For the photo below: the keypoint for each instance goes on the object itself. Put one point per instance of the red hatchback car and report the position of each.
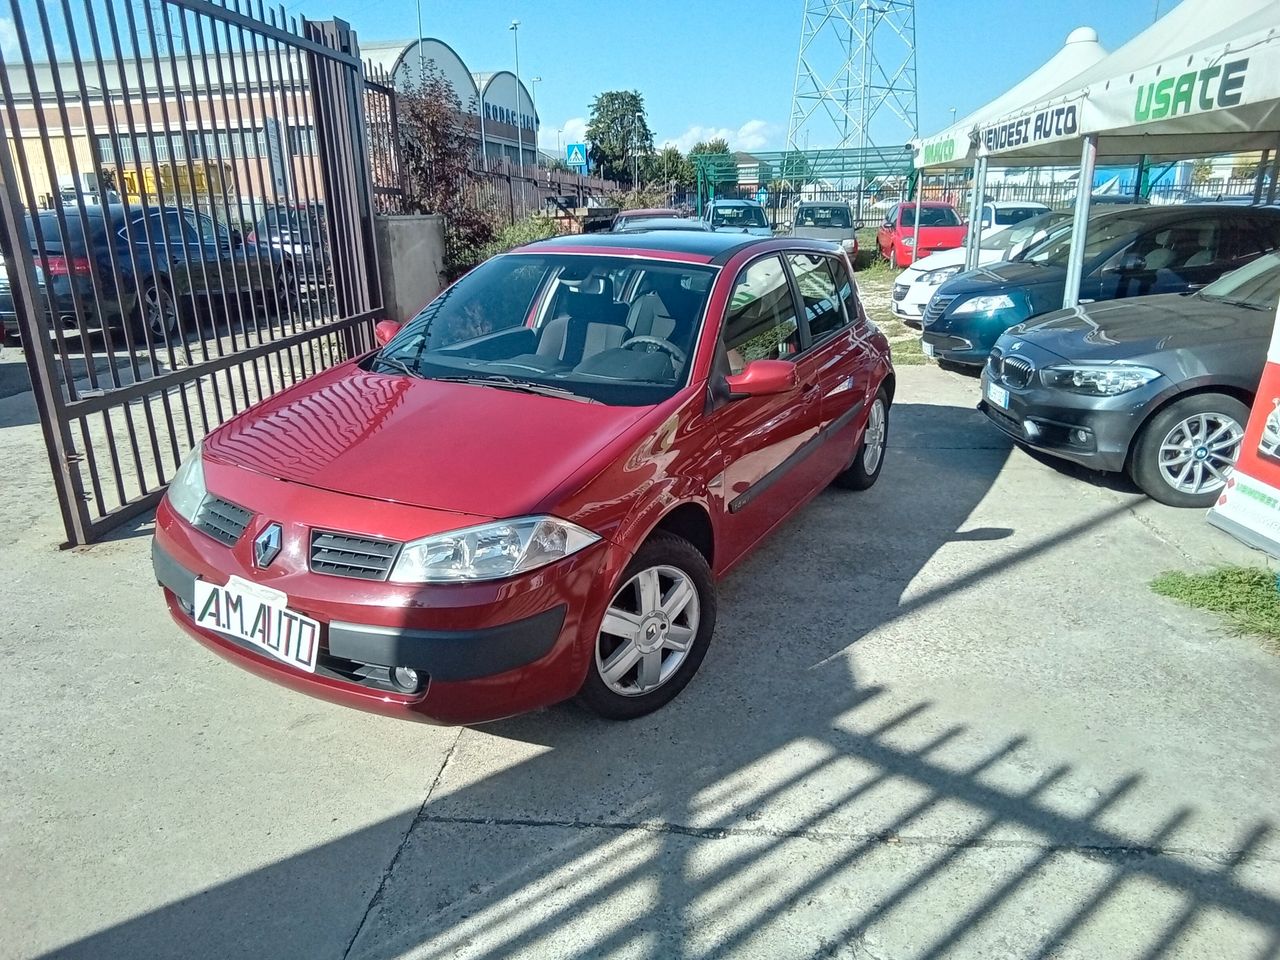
(940, 229)
(528, 492)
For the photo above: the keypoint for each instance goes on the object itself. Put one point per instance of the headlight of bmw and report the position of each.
(1098, 379)
(935, 277)
(490, 551)
(991, 304)
(187, 490)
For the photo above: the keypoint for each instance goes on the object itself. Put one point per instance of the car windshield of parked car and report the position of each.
(738, 217)
(1101, 237)
(1007, 215)
(1255, 285)
(616, 330)
(659, 223)
(826, 216)
(931, 217)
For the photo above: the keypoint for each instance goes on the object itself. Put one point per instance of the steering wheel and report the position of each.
(666, 346)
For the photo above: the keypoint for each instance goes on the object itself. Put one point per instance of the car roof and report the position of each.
(1006, 204)
(705, 245)
(734, 203)
(650, 212)
(823, 203)
(1169, 213)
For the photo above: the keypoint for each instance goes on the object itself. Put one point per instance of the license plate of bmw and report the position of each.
(927, 347)
(259, 616)
(998, 395)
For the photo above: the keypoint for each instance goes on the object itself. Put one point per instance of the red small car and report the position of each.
(529, 491)
(940, 229)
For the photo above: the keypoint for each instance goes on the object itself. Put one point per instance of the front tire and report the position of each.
(656, 630)
(865, 469)
(156, 314)
(1184, 453)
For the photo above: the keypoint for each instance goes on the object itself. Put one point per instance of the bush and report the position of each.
(534, 227)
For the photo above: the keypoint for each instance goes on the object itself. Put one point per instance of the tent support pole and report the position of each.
(1080, 222)
(916, 192)
(1141, 175)
(1261, 176)
(1275, 174)
(975, 212)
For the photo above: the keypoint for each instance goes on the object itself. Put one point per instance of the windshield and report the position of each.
(931, 217)
(738, 217)
(615, 330)
(1256, 284)
(1007, 215)
(1101, 236)
(823, 217)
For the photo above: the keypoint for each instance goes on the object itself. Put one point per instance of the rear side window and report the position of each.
(51, 234)
(817, 289)
(846, 290)
(760, 322)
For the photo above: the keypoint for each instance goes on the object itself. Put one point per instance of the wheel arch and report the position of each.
(690, 521)
(1196, 388)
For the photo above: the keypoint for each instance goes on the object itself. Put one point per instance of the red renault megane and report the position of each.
(529, 491)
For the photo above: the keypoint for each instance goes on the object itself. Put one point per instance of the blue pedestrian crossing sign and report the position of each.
(762, 196)
(575, 154)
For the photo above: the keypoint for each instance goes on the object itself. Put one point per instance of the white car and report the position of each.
(1000, 215)
(914, 286)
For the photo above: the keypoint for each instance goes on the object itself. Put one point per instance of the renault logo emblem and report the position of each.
(266, 545)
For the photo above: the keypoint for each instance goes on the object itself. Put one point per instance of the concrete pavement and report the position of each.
(944, 718)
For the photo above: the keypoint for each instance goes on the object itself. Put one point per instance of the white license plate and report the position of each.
(998, 395)
(927, 347)
(260, 616)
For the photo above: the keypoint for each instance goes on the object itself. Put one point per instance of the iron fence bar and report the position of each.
(226, 14)
(223, 165)
(48, 398)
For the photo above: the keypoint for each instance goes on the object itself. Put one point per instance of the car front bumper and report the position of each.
(1095, 432)
(485, 650)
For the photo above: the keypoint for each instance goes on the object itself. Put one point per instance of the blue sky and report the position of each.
(726, 67)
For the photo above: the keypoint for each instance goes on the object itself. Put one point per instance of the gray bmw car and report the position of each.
(1157, 387)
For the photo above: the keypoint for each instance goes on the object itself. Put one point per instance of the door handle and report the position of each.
(809, 388)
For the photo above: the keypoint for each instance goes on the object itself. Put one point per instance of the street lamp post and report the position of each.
(533, 95)
(515, 36)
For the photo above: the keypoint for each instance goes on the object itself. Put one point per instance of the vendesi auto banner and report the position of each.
(1249, 506)
(1046, 124)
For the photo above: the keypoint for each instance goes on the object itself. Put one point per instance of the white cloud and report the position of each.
(752, 135)
(573, 130)
(9, 39)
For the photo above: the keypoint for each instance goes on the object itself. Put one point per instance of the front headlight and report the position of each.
(935, 277)
(991, 304)
(1098, 380)
(490, 551)
(186, 489)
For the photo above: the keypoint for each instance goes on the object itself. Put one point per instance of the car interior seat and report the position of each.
(1203, 254)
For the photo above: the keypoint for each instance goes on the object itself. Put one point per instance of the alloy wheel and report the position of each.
(1197, 453)
(648, 630)
(873, 437)
(159, 312)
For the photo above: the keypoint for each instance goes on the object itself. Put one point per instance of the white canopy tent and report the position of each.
(954, 146)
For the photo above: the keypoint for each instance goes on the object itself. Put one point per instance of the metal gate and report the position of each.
(186, 227)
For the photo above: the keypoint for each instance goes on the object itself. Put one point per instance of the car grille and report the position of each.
(936, 308)
(343, 555)
(900, 291)
(222, 520)
(1012, 371)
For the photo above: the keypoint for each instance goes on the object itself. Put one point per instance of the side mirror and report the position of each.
(763, 378)
(385, 331)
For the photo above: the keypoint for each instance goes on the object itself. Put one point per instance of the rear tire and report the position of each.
(656, 631)
(868, 461)
(1182, 455)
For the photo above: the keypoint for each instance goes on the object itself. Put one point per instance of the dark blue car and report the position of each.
(142, 266)
(1129, 252)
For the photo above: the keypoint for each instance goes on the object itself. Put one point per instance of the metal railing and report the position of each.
(186, 224)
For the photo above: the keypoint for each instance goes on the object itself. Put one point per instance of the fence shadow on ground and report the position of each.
(781, 807)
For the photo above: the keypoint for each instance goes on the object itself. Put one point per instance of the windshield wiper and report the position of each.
(525, 386)
(397, 364)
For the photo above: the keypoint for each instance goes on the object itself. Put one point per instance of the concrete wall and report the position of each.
(411, 254)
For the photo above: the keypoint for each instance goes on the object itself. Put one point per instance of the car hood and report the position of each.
(447, 446)
(1001, 276)
(1124, 329)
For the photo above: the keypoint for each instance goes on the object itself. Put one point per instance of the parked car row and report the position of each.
(1153, 374)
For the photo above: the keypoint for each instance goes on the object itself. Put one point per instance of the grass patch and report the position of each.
(908, 353)
(1245, 597)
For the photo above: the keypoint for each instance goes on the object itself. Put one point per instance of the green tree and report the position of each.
(718, 168)
(1201, 171)
(668, 167)
(715, 145)
(618, 134)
